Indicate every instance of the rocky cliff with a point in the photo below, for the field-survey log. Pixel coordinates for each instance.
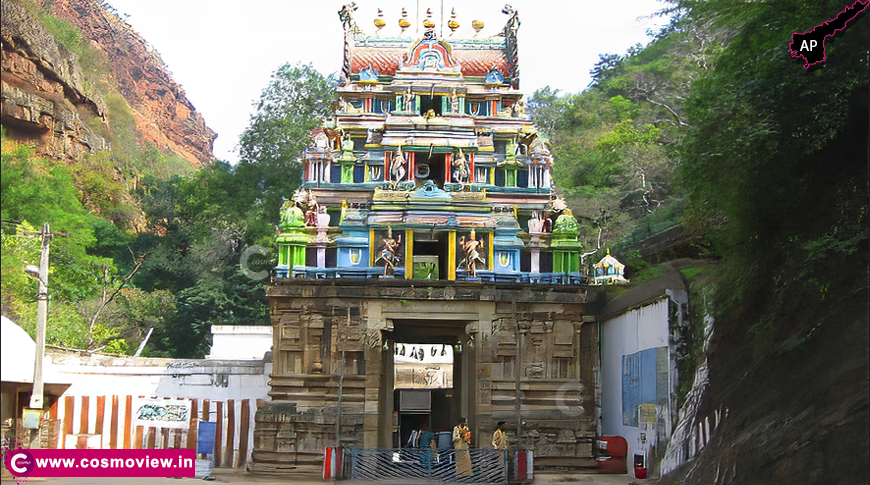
(43, 97)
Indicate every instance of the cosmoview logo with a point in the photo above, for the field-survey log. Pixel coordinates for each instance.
(568, 399)
(20, 463)
(245, 262)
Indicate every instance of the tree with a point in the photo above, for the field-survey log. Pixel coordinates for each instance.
(753, 163)
(40, 190)
(604, 68)
(295, 102)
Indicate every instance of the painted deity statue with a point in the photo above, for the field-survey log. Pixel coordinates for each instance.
(460, 168)
(291, 215)
(408, 101)
(321, 141)
(536, 223)
(313, 209)
(471, 249)
(346, 145)
(397, 168)
(390, 252)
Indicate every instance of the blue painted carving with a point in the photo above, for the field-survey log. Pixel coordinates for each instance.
(430, 191)
(368, 74)
(494, 76)
(506, 244)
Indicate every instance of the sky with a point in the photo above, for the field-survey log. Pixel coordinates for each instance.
(223, 53)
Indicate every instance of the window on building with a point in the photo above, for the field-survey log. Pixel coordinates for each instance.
(477, 108)
(499, 177)
(481, 174)
(430, 102)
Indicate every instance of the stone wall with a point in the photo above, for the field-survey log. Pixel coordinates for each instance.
(494, 322)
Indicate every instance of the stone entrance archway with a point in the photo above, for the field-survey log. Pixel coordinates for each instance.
(333, 348)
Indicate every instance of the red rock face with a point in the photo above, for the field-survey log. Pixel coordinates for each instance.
(164, 116)
(42, 90)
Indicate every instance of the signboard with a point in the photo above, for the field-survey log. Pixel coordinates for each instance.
(648, 413)
(162, 413)
(423, 376)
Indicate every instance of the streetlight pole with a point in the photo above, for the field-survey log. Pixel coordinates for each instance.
(36, 397)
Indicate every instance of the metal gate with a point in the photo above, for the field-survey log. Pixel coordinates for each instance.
(415, 465)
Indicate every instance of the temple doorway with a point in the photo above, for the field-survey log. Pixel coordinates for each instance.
(427, 379)
(430, 255)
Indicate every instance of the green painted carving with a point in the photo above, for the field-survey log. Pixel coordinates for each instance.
(426, 267)
(510, 175)
(510, 151)
(291, 216)
(566, 248)
(566, 224)
(346, 159)
(292, 238)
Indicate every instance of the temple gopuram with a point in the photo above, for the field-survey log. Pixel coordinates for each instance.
(427, 272)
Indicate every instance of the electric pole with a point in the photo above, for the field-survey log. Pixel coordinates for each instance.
(36, 397)
(37, 401)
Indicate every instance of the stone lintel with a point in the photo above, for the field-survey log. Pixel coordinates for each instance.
(440, 290)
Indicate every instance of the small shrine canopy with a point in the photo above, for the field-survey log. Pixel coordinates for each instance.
(609, 271)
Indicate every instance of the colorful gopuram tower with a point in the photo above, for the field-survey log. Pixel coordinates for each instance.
(427, 216)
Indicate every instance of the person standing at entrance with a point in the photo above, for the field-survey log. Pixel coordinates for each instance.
(426, 437)
(427, 443)
(499, 438)
(500, 443)
(461, 440)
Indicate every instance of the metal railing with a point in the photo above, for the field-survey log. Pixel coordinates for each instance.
(421, 465)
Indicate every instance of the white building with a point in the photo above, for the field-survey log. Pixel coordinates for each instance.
(240, 342)
(638, 367)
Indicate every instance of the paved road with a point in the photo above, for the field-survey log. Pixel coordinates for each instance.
(238, 478)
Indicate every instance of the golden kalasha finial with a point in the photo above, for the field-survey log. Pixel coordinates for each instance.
(403, 22)
(380, 22)
(428, 23)
(452, 23)
(477, 25)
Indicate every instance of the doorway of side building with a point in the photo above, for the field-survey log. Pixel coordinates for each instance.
(428, 379)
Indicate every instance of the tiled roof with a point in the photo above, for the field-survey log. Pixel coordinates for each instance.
(478, 62)
(386, 60)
